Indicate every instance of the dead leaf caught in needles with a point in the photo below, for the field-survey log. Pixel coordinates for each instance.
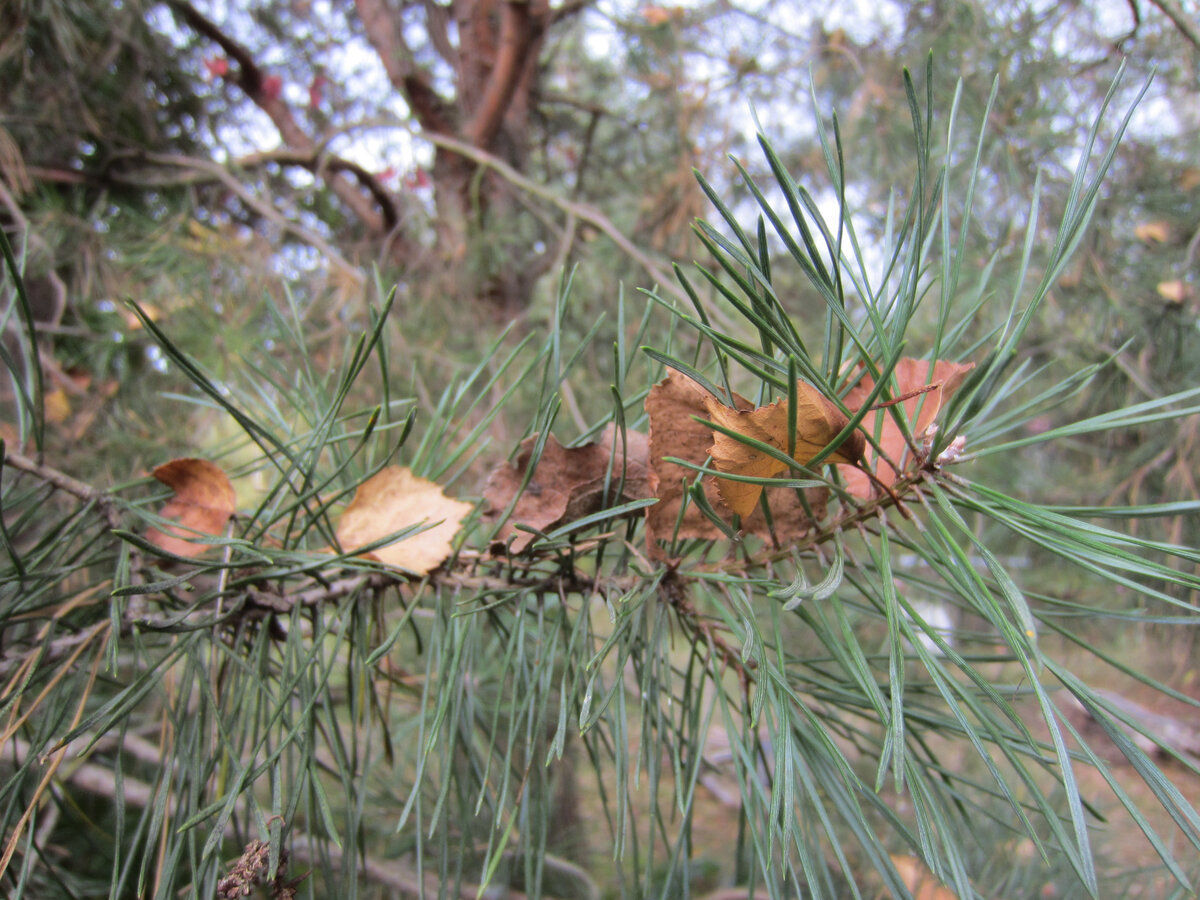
(568, 482)
(395, 499)
(922, 409)
(674, 406)
(204, 502)
(818, 422)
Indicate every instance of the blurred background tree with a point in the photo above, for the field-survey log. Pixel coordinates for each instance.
(472, 149)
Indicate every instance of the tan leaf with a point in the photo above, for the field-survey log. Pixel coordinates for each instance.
(393, 500)
(673, 406)
(1157, 232)
(568, 483)
(910, 375)
(203, 503)
(919, 880)
(1174, 292)
(818, 421)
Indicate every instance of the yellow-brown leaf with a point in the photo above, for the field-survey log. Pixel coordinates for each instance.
(203, 503)
(393, 500)
(1174, 292)
(674, 405)
(1156, 232)
(818, 421)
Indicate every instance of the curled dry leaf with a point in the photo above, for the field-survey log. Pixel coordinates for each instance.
(568, 483)
(818, 421)
(910, 375)
(673, 406)
(203, 503)
(395, 499)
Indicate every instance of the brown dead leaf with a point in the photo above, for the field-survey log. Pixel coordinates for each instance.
(910, 375)
(818, 421)
(672, 405)
(393, 500)
(919, 880)
(568, 482)
(1156, 232)
(203, 503)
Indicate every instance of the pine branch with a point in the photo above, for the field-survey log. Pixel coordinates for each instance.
(98, 781)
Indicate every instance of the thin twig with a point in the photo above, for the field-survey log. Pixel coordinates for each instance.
(105, 502)
(251, 79)
(1182, 19)
(215, 171)
(63, 482)
(584, 212)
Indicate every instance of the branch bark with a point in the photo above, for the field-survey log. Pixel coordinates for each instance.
(431, 110)
(251, 80)
(1184, 21)
(519, 34)
(319, 163)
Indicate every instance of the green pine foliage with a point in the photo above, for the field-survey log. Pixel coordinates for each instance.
(557, 722)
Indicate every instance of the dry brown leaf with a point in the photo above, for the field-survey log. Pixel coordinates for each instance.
(568, 482)
(911, 375)
(818, 421)
(1158, 232)
(203, 503)
(672, 405)
(919, 880)
(392, 500)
